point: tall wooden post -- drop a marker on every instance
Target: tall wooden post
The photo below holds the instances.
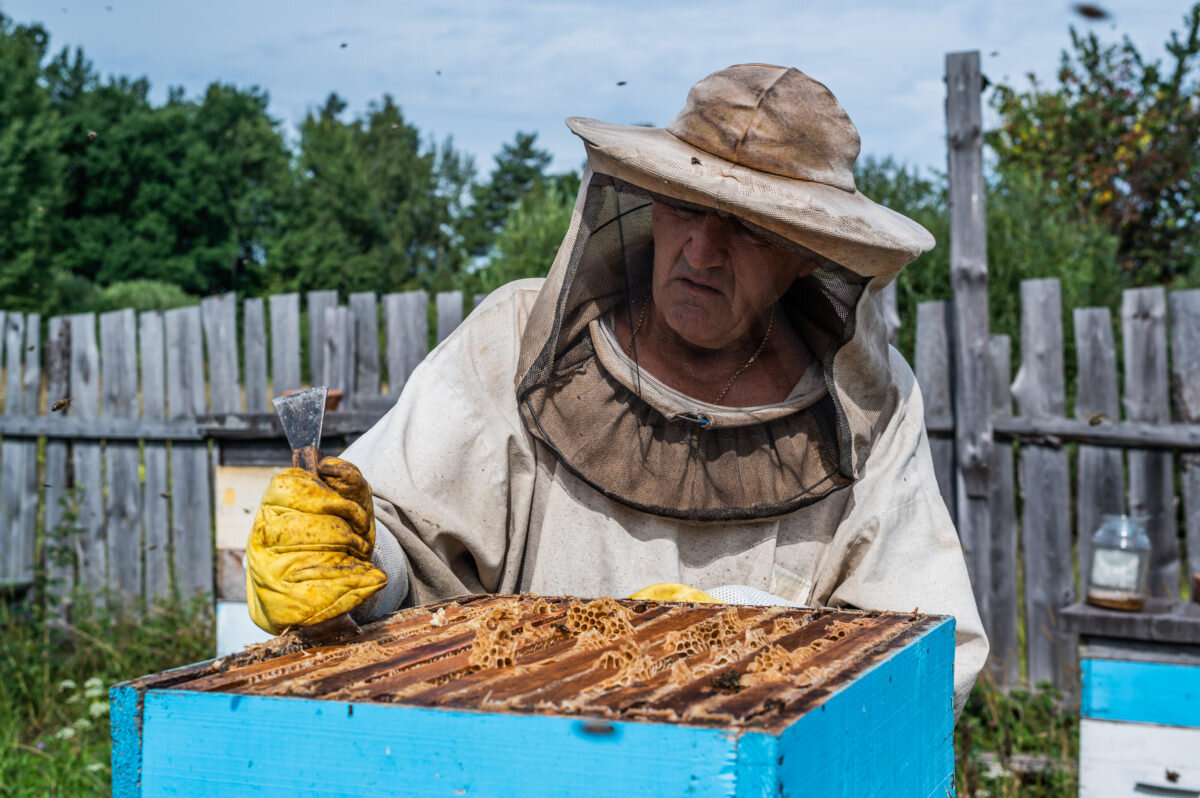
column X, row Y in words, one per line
column 968, row 275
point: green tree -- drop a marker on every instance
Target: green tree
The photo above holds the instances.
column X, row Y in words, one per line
column 1032, row 233
column 370, row 208
column 520, row 166
column 529, row 240
column 185, row 193
column 29, row 171
column 1119, row 140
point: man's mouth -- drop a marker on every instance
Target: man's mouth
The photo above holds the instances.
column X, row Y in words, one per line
column 701, row 289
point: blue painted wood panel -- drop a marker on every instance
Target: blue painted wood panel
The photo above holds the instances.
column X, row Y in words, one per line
column 1141, row 692
column 209, row 744
column 889, row 733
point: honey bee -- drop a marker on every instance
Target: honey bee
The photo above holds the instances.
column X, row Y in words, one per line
column 61, row 404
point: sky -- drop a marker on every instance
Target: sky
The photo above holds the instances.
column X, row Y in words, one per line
column 481, row 71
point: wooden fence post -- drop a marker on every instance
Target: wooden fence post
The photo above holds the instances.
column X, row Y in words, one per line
column 933, row 370
column 156, row 498
column 1185, row 376
column 285, row 343
column 254, row 348
column 191, row 502
column 122, row 495
column 1006, row 652
column 219, row 316
column 968, row 276
column 17, row 567
column 891, row 312
column 90, row 547
column 406, row 322
column 449, row 313
column 31, row 392
column 1151, row 485
column 1046, row 521
column 59, row 548
column 318, row 302
column 364, row 325
column 1099, row 472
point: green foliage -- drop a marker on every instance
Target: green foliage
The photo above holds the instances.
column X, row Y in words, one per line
column 520, row 167
column 370, row 208
column 1023, row 744
column 141, row 295
column 1032, row 233
column 535, row 227
column 29, row 167
column 1118, row 139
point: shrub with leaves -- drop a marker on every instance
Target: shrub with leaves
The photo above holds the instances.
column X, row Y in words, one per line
column 1119, row 138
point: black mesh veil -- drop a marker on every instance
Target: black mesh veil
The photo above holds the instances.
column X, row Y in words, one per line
column 586, row 397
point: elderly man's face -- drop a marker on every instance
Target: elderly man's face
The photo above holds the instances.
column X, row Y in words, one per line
column 713, row 279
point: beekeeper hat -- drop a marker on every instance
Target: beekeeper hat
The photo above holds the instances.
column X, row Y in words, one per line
column 772, row 146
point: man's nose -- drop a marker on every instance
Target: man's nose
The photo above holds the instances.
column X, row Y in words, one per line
column 708, row 245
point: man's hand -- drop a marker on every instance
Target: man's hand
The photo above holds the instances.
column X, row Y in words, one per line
column 309, row 553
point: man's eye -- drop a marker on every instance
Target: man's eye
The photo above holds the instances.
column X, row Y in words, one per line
column 682, row 213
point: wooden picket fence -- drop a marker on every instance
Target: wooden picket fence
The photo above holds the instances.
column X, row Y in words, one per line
column 1119, row 466
column 135, row 410
column 157, row 400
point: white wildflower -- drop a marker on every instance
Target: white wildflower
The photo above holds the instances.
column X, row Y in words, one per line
column 93, row 683
column 66, row 685
column 65, row 733
column 83, row 724
column 98, row 709
column 74, row 698
column 95, row 767
column 94, row 687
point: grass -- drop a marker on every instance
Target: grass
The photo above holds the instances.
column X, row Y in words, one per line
column 1016, row 743
column 54, row 733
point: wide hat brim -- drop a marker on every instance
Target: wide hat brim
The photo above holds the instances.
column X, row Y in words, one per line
column 843, row 226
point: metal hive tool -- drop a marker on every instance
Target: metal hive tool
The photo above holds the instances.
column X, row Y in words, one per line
column 699, row 664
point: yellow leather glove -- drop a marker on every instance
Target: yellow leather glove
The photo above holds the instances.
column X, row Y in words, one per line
column 673, row 591
column 309, row 554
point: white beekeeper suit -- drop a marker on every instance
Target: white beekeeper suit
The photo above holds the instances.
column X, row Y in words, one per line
column 529, row 452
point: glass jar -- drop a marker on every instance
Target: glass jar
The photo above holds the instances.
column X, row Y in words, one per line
column 1120, row 563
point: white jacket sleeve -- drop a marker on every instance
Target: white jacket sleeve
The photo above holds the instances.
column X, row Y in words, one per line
column 896, row 547
column 451, row 465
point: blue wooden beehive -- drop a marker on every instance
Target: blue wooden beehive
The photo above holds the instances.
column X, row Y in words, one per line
column 521, row 695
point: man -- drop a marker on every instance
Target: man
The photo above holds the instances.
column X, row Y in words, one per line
column 700, row 392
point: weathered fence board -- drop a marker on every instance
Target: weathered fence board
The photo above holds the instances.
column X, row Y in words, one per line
column 31, row 391
column 1151, row 488
column 122, row 502
column 1185, row 377
column 59, row 548
column 1002, row 633
column 449, row 313
column 155, row 496
column 219, row 314
column 406, row 324
column 318, row 301
column 254, row 349
column 364, row 312
column 285, row 343
column 1046, row 531
column 191, row 506
column 968, row 277
column 17, row 567
column 90, row 545
column 1099, row 471
column 933, row 375
column 336, row 346
column 891, row 312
